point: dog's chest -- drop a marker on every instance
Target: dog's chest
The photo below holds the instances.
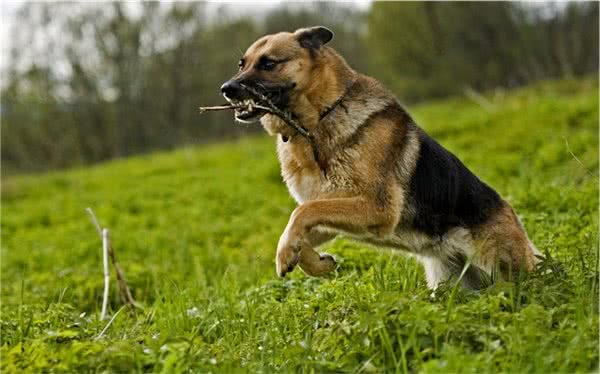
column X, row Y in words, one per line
column 304, row 186
column 303, row 176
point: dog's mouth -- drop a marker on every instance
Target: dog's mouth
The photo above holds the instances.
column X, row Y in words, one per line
column 247, row 110
column 251, row 108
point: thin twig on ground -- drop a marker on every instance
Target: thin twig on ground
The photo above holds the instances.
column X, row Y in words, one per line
column 577, row 159
column 121, row 281
column 94, row 220
column 124, row 291
column 106, row 273
column 109, row 323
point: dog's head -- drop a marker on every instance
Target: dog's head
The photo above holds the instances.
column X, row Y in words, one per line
column 278, row 66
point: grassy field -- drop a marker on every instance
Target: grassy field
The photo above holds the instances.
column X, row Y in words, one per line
column 195, row 231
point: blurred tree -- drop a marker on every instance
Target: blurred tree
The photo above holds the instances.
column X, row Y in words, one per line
column 433, row 49
column 91, row 81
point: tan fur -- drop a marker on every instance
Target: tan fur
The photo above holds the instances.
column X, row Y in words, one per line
column 368, row 152
column 502, row 241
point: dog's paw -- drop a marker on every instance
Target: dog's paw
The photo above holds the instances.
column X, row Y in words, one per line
column 288, row 251
column 315, row 264
column 327, row 263
column 286, row 260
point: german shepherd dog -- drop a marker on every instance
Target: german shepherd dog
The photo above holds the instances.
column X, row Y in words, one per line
column 368, row 171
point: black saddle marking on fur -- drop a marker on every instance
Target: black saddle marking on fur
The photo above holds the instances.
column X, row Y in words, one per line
column 445, row 193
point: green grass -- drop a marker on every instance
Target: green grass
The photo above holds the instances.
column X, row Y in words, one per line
column 195, row 231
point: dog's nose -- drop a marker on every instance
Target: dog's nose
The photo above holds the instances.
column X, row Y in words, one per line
column 231, row 89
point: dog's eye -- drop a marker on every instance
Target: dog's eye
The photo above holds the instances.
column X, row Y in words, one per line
column 267, row 64
column 241, row 63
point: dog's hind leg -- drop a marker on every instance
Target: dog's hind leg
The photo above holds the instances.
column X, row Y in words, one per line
column 503, row 244
column 440, row 270
column 435, row 271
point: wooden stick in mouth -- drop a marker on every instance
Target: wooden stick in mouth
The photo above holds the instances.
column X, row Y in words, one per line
column 273, row 109
column 265, row 104
column 220, row 107
column 248, row 104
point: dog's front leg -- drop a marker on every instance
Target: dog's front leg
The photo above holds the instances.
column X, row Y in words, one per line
column 358, row 216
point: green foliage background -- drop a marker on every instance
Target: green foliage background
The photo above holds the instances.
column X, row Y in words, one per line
column 195, row 231
column 86, row 82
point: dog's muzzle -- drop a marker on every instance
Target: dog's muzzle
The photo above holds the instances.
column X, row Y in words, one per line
column 234, row 92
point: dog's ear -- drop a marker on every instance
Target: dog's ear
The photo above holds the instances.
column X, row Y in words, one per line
column 314, row 37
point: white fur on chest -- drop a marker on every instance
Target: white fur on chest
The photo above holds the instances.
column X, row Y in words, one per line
column 300, row 173
column 304, row 187
column 306, row 181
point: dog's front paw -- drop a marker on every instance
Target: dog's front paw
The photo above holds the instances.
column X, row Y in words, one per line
column 288, row 252
column 286, row 260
